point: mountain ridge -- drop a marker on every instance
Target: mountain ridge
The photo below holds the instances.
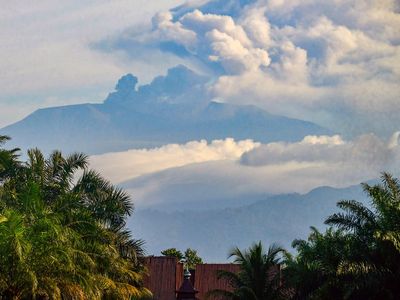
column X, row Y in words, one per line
column 276, row 219
column 174, row 108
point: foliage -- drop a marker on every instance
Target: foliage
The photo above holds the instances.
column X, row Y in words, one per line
column 259, row 276
column 190, row 256
column 173, row 252
column 62, row 231
column 359, row 256
column 312, row 273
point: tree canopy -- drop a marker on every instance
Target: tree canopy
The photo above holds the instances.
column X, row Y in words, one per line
column 62, row 231
column 358, row 256
column 190, row 256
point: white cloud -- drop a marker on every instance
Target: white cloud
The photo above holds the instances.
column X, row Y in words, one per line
column 166, row 29
column 234, row 57
column 120, row 166
column 257, row 27
column 214, row 38
column 367, row 151
column 273, row 168
column 322, row 140
column 230, row 45
column 204, row 23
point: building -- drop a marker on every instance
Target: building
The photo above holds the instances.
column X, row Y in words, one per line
column 166, row 276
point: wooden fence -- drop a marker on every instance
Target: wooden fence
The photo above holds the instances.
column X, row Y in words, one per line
column 165, row 276
column 206, row 278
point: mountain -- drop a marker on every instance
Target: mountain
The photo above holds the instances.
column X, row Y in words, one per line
column 280, row 219
column 174, row 108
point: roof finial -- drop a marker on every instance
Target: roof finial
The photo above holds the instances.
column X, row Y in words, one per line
column 186, row 291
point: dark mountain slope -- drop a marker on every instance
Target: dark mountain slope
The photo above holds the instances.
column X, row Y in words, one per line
column 279, row 219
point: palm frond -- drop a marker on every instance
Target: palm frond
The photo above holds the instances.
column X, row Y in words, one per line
column 218, row 294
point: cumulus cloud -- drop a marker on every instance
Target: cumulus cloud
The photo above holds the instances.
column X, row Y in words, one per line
column 168, row 30
column 257, row 27
column 212, row 38
column 120, row 166
column 272, row 168
column 227, row 42
column 204, row 23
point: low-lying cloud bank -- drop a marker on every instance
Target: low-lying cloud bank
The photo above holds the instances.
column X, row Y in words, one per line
column 366, row 152
column 121, row 166
column 225, row 169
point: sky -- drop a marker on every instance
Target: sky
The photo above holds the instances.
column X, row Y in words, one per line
column 335, row 63
column 47, row 56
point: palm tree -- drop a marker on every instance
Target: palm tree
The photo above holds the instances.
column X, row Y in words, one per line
column 358, row 257
column 16, row 274
column 8, row 160
column 312, row 273
column 373, row 264
column 259, row 275
column 64, row 234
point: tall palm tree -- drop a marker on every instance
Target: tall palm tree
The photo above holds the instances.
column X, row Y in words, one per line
column 358, row 257
column 373, row 264
column 259, row 275
column 312, row 273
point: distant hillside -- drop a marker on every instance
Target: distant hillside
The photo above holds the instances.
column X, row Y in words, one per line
column 280, row 219
column 171, row 109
